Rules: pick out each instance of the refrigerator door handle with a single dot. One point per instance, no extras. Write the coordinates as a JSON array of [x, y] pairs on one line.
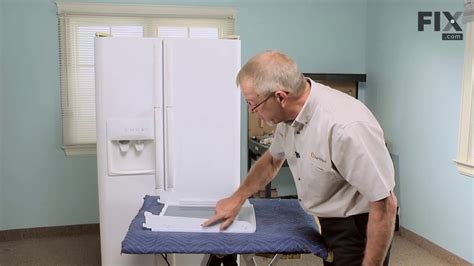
[[159, 169], [169, 170]]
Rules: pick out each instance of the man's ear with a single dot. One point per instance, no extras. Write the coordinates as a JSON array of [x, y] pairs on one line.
[[282, 96]]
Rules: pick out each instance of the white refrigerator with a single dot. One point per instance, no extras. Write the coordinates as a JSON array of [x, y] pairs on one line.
[[168, 124]]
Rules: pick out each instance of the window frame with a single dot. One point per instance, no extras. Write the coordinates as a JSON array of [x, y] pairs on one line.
[[465, 159], [153, 16]]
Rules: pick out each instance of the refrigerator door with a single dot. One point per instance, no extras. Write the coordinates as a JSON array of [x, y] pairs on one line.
[[126, 91], [201, 120]]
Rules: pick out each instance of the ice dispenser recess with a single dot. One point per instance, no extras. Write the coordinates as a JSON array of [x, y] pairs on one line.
[[130, 149]]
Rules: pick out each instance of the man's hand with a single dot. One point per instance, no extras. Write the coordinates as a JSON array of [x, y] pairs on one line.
[[226, 211], [263, 171]]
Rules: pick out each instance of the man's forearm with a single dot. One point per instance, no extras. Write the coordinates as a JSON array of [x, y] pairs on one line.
[[380, 230], [263, 171]]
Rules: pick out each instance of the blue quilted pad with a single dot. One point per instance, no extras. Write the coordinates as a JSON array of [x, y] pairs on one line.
[[282, 227]]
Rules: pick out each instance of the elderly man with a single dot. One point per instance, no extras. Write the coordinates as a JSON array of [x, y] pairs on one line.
[[336, 151]]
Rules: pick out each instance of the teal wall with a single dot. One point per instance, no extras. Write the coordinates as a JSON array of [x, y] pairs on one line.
[[41, 186], [1, 115], [414, 87], [45, 188]]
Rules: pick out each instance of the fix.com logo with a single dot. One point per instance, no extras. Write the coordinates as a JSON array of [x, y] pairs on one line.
[[427, 17]]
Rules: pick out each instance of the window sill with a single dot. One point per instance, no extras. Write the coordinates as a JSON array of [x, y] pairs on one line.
[[465, 168], [79, 150]]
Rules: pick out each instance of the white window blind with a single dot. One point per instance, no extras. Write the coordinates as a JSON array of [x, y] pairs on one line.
[[78, 25]]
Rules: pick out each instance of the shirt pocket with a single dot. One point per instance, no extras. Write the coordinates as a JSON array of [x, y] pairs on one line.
[[317, 166], [322, 173]]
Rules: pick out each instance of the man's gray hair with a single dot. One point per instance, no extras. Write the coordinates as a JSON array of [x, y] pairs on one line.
[[270, 71]]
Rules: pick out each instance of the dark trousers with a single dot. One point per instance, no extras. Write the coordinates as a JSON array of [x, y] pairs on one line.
[[226, 260], [346, 238]]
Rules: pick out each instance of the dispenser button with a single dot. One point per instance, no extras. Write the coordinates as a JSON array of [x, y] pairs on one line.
[[124, 145], [139, 145]]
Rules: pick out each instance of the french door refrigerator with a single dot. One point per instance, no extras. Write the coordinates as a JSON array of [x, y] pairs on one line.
[[168, 124]]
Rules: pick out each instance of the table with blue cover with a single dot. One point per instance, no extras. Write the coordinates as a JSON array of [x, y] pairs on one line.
[[282, 228]]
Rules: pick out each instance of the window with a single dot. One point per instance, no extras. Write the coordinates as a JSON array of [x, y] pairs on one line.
[[78, 25], [465, 160]]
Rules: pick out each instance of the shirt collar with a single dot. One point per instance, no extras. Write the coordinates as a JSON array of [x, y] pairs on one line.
[[304, 116]]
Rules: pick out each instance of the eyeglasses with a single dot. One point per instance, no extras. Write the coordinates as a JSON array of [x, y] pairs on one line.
[[254, 108]]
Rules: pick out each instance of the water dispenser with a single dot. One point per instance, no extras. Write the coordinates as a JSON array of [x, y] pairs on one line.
[[130, 146]]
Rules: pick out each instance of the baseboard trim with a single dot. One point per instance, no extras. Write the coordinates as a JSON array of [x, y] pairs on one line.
[[54, 231], [433, 248]]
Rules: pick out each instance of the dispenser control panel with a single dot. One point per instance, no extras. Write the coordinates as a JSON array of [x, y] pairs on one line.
[[130, 129]]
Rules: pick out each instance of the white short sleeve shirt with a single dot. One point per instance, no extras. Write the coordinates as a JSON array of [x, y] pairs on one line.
[[336, 151]]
